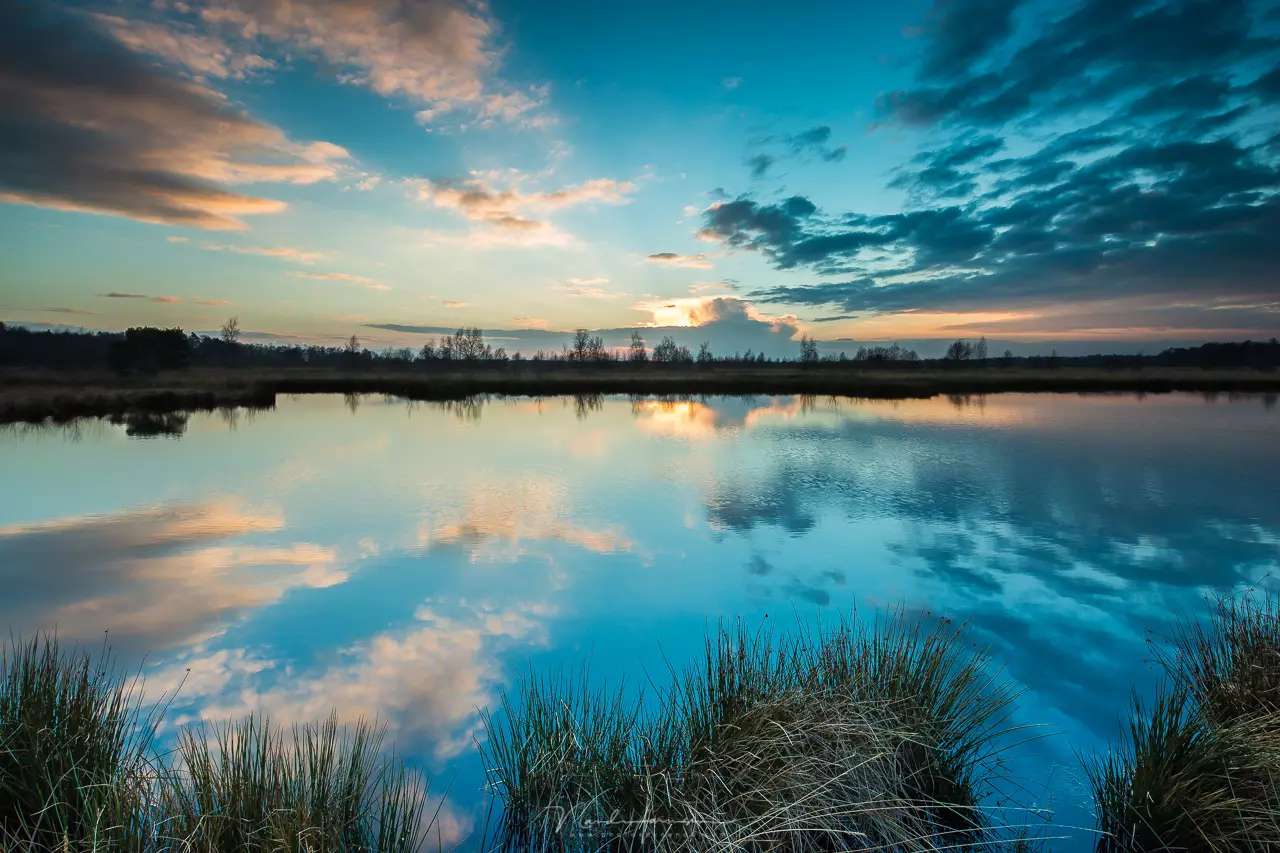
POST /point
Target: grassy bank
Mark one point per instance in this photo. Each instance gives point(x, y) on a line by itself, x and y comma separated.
point(81, 770)
point(58, 395)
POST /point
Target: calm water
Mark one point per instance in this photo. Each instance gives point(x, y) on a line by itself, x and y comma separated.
point(406, 561)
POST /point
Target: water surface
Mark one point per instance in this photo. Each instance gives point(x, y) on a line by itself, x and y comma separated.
point(406, 561)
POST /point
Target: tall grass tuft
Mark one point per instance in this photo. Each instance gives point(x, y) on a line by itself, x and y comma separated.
point(80, 771)
point(75, 759)
point(866, 735)
point(1198, 768)
point(249, 785)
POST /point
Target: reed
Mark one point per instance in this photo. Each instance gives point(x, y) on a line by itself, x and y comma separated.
point(81, 769)
point(75, 758)
point(1198, 768)
point(867, 735)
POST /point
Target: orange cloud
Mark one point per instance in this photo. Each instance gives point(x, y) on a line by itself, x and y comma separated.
point(698, 262)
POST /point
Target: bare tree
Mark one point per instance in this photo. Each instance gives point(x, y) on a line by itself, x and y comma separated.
point(666, 351)
point(980, 349)
point(960, 350)
point(637, 351)
point(808, 350)
point(231, 330)
point(704, 353)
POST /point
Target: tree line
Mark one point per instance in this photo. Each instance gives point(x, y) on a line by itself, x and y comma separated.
point(150, 349)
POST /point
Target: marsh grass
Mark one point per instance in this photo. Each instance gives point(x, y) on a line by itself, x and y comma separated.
point(1198, 768)
point(75, 760)
point(866, 735)
point(80, 769)
point(250, 785)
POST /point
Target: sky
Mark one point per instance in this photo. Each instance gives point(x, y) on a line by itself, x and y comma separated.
point(1091, 175)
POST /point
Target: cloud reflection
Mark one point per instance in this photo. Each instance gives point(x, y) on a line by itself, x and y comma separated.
point(495, 521)
point(154, 577)
point(427, 681)
point(1053, 523)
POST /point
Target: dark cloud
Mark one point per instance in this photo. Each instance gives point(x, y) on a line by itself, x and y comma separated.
point(760, 164)
point(1118, 152)
point(802, 146)
point(1100, 51)
point(116, 294)
point(83, 311)
point(963, 32)
point(85, 124)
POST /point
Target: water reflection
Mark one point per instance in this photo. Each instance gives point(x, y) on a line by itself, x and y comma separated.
point(406, 560)
point(155, 577)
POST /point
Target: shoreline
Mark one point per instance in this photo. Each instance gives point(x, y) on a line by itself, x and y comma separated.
point(38, 396)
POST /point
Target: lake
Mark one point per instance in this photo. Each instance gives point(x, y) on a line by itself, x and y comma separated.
point(407, 561)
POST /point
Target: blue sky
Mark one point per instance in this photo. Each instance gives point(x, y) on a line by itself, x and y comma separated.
point(1052, 172)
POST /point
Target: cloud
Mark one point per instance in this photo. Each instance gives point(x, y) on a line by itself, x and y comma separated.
point(673, 259)
point(297, 256)
point(503, 211)
point(525, 235)
point(164, 300)
point(760, 164)
point(722, 284)
point(71, 311)
point(802, 146)
point(87, 125)
point(588, 288)
point(441, 53)
point(976, 73)
point(814, 142)
point(177, 239)
point(202, 54)
point(732, 82)
point(370, 283)
point(729, 323)
point(477, 200)
point(155, 577)
point(449, 303)
point(1158, 202)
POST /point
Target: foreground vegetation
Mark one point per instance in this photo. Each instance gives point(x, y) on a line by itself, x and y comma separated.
point(1199, 767)
point(864, 736)
point(80, 769)
point(891, 734)
point(885, 736)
